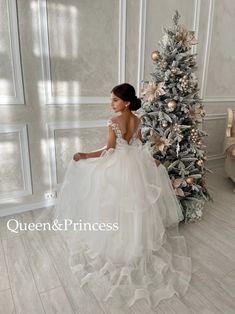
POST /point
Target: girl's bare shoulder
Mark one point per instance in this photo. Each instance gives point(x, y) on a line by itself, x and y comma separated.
point(137, 119)
point(112, 119)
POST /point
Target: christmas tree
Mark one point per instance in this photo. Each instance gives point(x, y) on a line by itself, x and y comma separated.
point(171, 114)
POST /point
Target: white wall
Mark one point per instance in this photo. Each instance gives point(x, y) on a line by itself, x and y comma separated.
point(58, 63)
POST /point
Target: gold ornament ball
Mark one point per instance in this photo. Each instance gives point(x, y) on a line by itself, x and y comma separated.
point(155, 55)
point(172, 104)
point(189, 180)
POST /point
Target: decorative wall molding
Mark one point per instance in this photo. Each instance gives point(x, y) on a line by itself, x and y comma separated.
point(215, 116)
point(122, 43)
point(216, 163)
point(51, 128)
point(25, 161)
point(215, 157)
point(14, 52)
point(45, 59)
point(141, 49)
point(210, 99)
point(196, 21)
point(219, 99)
point(26, 207)
point(207, 49)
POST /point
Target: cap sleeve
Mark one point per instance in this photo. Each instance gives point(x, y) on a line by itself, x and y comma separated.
point(109, 122)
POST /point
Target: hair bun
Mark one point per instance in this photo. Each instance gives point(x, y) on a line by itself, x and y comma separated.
point(135, 103)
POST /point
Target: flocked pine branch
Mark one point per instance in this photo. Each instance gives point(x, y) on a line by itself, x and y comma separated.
point(171, 115)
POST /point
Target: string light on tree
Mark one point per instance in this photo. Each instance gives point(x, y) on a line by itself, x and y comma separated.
point(164, 124)
point(174, 70)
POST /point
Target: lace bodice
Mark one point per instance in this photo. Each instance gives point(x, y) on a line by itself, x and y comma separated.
point(119, 137)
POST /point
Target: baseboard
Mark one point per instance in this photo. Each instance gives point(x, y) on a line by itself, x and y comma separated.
point(26, 207)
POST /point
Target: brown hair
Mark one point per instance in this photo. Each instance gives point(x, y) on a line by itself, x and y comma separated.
point(126, 92)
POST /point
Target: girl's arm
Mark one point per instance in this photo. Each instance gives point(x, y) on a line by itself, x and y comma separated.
point(111, 143)
point(92, 154)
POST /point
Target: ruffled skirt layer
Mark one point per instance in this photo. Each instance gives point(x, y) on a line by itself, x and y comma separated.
point(127, 219)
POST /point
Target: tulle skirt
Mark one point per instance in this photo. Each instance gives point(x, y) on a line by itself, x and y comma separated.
point(122, 219)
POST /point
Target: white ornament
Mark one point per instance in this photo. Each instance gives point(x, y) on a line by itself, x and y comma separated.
point(177, 149)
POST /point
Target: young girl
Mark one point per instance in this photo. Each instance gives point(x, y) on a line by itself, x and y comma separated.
point(130, 212)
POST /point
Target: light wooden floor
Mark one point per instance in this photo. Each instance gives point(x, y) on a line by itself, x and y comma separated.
point(35, 277)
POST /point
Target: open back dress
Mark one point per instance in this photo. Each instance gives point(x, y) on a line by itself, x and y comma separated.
point(131, 239)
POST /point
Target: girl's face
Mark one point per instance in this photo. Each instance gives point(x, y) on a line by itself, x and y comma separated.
point(118, 104)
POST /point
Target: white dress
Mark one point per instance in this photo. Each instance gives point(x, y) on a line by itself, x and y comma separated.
point(138, 251)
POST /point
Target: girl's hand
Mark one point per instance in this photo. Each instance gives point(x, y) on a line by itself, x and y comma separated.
point(157, 162)
point(79, 156)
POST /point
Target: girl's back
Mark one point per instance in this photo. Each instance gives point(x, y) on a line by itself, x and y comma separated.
point(127, 125)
